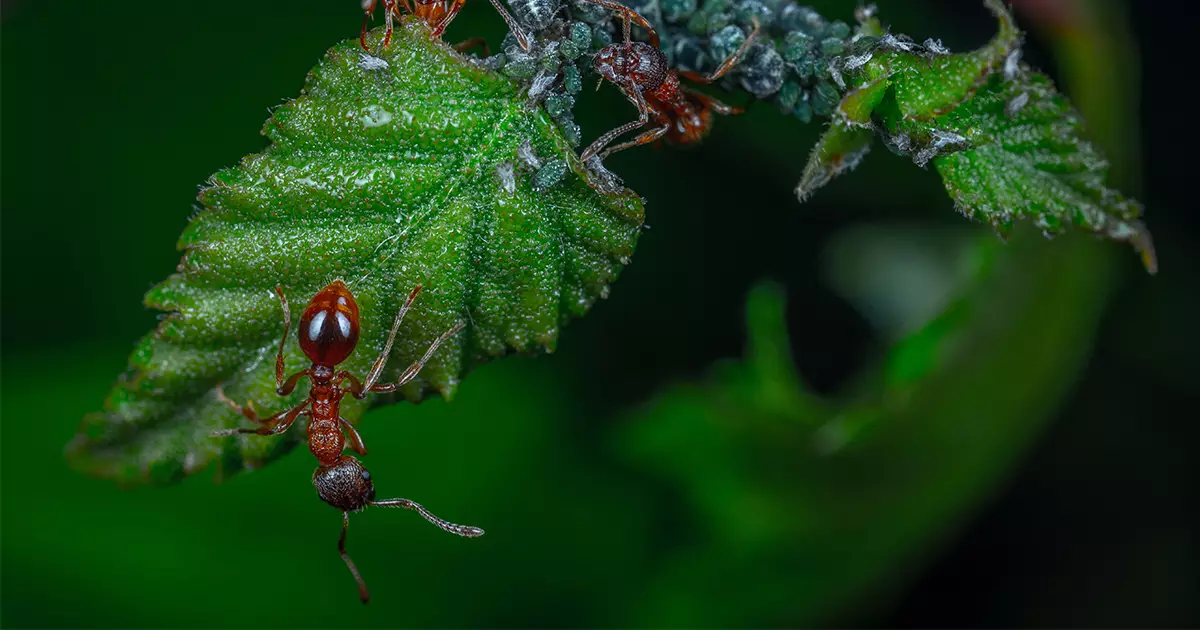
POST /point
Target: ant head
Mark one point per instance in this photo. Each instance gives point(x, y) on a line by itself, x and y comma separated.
point(329, 326)
point(612, 62)
point(345, 485)
point(633, 62)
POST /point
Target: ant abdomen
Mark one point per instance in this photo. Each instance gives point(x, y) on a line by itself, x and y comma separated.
point(345, 485)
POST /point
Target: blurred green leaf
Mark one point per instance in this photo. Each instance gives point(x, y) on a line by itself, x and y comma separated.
point(820, 503)
point(1008, 146)
point(387, 172)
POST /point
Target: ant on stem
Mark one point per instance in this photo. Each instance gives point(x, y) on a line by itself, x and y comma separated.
point(640, 70)
point(328, 333)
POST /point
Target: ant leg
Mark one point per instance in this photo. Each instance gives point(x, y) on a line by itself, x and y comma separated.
point(389, 7)
point(363, 593)
point(287, 327)
point(474, 42)
point(356, 441)
point(446, 526)
point(246, 410)
point(377, 367)
point(451, 12)
point(645, 138)
point(274, 425)
point(290, 385)
point(513, 26)
point(729, 63)
point(712, 103)
point(635, 96)
point(628, 14)
point(368, 13)
point(411, 371)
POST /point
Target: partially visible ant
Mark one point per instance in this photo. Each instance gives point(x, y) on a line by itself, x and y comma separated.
point(640, 70)
point(437, 14)
point(328, 333)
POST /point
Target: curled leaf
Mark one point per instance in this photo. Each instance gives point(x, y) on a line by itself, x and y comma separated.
point(387, 172)
point(1008, 146)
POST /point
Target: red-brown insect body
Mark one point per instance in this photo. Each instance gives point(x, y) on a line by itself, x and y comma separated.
point(437, 13)
point(680, 113)
point(328, 335)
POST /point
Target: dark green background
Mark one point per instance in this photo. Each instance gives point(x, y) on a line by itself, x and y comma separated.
point(113, 113)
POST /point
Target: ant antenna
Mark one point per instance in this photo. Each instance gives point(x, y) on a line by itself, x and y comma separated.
point(467, 531)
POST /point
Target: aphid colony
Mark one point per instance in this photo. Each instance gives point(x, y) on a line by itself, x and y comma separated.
point(770, 49)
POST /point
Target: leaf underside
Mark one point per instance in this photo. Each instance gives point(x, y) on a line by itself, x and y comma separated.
point(1008, 146)
point(387, 172)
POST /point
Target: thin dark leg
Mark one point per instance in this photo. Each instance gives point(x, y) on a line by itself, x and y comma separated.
point(248, 411)
point(377, 367)
point(451, 13)
point(355, 441)
point(462, 530)
point(474, 42)
point(513, 25)
point(712, 103)
point(287, 327)
point(389, 7)
point(635, 96)
point(274, 425)
point(726, 65)
point(645, 138)
point(628, 14)
point(290, 385)
point(363, 593)
point(362, 36)
point(411, 371)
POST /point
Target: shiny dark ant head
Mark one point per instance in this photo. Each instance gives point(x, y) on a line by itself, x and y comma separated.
point(329, 326)
point(345, 485)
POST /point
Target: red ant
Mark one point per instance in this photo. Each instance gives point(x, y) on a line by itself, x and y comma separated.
point(437, 14)
point(640, 70)
point(328, 333)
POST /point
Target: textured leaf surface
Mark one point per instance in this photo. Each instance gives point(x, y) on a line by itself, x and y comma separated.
point(386, 172)
point(1008, 146)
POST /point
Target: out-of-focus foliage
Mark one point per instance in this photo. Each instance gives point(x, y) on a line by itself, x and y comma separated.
point(388, 172)
point(766, 468)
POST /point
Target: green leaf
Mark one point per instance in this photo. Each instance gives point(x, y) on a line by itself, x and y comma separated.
point(392, 171)
point(1008, 146)
point(816, 504)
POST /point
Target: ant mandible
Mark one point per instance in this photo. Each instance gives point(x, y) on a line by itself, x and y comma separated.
point(641, 72)
point(328, 333)
point(437, 14)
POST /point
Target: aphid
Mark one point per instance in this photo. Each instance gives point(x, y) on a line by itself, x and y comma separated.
point(640, 70)
point(436, 13)
point(328, 333)
point(536, 14)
